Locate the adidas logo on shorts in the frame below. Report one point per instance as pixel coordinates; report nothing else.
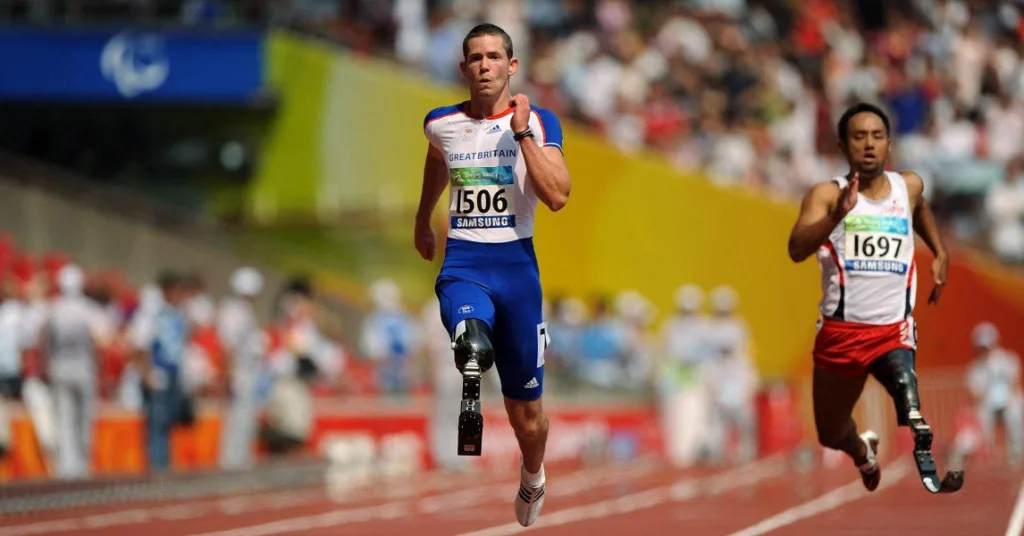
(532, 383)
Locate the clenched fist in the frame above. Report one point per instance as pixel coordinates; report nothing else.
(521, 115)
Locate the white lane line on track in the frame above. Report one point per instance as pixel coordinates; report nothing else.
(570, 484)
(233, 506)
(1016, 526)
(174, 512)
(851, 492)
(684, 490)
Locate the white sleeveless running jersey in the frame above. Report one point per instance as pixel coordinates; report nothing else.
(868, 274)
(490, 198)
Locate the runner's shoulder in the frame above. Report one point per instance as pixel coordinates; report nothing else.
(823, 192)
(915, 184)
(441, 112)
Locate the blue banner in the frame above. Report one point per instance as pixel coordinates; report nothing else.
(180, 65)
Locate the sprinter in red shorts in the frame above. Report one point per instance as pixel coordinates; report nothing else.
(861, 227)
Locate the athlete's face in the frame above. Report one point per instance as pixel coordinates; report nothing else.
(487, 67)
(867, 144)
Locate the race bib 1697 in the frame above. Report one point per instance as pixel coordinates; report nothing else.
(877, 244)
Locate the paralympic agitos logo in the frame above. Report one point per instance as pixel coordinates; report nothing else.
(135, 63)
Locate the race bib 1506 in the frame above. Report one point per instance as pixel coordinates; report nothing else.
(482, 197)
(877, 244)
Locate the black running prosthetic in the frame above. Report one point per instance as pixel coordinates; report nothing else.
(895, 371)
(471, 421)
(474, 355)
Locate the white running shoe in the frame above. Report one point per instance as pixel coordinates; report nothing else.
(529, 501)
(870, 471)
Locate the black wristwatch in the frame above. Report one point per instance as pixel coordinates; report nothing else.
(528, 133)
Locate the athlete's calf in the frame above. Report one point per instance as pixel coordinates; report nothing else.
(530, 424)
(531, 428)
(835, 394)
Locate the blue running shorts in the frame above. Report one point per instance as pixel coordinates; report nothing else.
(499, 283)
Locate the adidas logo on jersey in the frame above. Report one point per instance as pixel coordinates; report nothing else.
(532, 384)
(495, 128)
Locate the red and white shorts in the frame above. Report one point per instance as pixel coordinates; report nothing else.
(849, 347)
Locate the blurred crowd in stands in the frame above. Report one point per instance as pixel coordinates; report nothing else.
(72, 340)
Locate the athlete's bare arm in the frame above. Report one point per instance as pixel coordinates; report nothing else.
(819, 214)
(545, 165)
(925, 227)
(549, 174)
(435, 179)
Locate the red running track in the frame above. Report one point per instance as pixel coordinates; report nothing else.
(644, 497)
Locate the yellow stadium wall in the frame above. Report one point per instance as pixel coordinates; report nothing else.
(350, 139)
(636, 223)
(349, 134)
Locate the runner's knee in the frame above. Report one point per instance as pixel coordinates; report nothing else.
(473, 341)
(834, 437)
(528, 419)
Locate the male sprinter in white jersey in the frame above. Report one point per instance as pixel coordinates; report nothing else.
(500, 156)
(861, 227)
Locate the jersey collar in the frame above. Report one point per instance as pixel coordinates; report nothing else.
(465, 110)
